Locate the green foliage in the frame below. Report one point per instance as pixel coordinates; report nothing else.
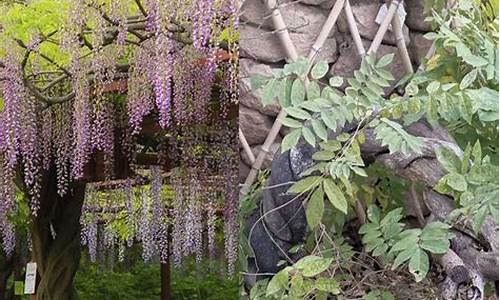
(386, 238)
(324, 108)
(135, 279)
(379, 295)
(458, 90)
(396, 138)
(380, 234)
(473, 181)
(299, 280)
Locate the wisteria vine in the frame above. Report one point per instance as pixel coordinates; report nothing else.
(126, 72)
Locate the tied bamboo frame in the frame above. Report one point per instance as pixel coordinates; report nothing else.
(291, 51)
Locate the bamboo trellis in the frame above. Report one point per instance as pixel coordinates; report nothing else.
(290, 49)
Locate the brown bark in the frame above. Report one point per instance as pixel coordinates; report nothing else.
(6, 265)
(56, 239)
(165, 281)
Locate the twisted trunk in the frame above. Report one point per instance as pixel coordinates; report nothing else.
(56, 240)
(5, 272)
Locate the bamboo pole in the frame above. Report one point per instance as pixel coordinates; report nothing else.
(353, 28)
(246, 146)
(325, 30)
(291, 52)
(282, 30)
(397, 30)
(275, 129)
(377, 40)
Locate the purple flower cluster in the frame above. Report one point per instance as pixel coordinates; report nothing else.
(203, 13)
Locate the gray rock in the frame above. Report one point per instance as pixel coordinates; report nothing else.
(314, 2)
(416, 16)
(365, 13)
(419, 46)
(269, 156)
(299, 18)
(264, 45)
(254, 125)
(249, 98)
(244, 169)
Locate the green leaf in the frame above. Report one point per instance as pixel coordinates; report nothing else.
(313, 265)
(384, 74)
(457, 182)
(465, 160)
(269, 92)
(336, 81)
(335, 195)
(477, 153)
(300, 66)
(324, 155)
(433, 87)
(409, 239)
(292, 123)
(258, 81)
(329, 285)
(385, 60)
(359, 171)
(319, 129)
(284, 93)
(298, 113)
(475, 61)
(320, 69)
(419, 265)
(331, 145)
(315, 208)
(298, 92)
(404, 255)
(373, 214)
(468, 79)
(448, 159)
(305, 184)
(309, 136)
(311, 106)
(277, 283)
(313, 90)
(329, 119)
(439, 246)
(291, 139)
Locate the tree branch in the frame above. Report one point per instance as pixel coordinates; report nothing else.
(141, 7)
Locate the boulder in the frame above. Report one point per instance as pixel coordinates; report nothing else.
(416, 16)
(419, 46)
(365, 13)
(249, 98)
(263, 45)
(269, 156)
(244, 169)
(299, 18)
(255, 125)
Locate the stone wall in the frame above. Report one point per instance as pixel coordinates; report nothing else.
(261, 51)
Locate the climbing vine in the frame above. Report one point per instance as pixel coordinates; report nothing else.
(99, 93)
(350, 121)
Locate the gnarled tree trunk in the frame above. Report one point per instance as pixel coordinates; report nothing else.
(56, 239)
